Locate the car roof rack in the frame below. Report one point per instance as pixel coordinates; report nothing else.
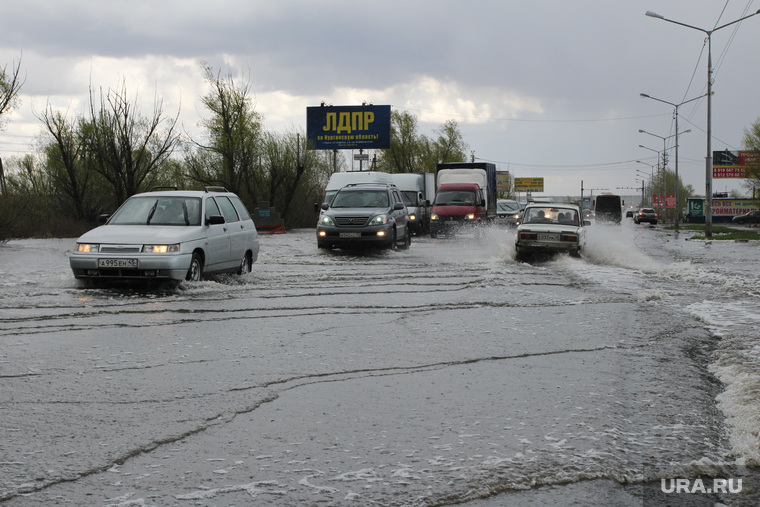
(370, 184)
(164, 187)
(216, 189)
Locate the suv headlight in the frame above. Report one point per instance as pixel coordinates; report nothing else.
(379, 220)
(326, 220)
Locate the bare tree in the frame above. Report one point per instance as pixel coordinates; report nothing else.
(72, 182)
(127, 149)
(751, 142)
(232, 156)
(10, 85)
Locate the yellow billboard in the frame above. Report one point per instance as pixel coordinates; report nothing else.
(529, 184)
(502, 181)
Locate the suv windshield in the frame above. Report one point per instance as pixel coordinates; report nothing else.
(158, 211)
(361, 199)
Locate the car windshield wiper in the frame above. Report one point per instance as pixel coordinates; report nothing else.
(152, 211)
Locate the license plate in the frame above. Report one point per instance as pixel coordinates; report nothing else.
(350, 234)
(452, 222)
(117, 263)
(548, 237)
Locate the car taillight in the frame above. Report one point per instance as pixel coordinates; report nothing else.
(528, 235)
(569, 237)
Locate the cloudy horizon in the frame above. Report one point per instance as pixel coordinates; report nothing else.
(543, 89)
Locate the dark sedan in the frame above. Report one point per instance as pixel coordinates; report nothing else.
(753, 217)
(645, 215)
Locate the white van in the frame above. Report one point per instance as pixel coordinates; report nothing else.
(340, 180)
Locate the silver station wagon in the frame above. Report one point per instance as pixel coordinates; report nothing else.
(171, 235)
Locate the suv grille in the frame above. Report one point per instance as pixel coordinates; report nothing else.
(355, 221)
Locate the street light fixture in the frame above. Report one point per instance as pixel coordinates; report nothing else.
(660, 178)
(708, 158)
(676, 106)
(651, 176)
(665, 174)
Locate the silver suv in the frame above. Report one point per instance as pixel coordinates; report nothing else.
(369, 214)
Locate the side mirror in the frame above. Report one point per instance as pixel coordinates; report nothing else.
(427, 203)
(398, 206)
(482, 203)
(215, 220)
(103, 218)
(586, 223)
(325, 206)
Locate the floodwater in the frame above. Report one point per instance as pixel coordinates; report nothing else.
(445, 374)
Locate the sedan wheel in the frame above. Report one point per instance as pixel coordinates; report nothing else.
(245, 266)
(195, 272)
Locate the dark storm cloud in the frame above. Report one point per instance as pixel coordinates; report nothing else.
(544, 82)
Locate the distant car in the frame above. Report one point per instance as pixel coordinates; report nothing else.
(588, 214)
(549, 229)
(645, 215)
(171, 235)
(508, 212)
(370, 214)
(753, 217)
(629, 213)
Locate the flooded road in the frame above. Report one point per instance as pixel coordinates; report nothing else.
(446, 374)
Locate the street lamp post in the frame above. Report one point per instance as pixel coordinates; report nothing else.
(676, 106)
(665, 174)
(659, 185)
(708, 158)
(651, 176)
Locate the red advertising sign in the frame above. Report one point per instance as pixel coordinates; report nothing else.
(670, 201)
(734, 164)
(657, 201)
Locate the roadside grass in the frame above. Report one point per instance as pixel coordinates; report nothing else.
(720, 232)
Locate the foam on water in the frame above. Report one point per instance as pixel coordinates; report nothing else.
(736, 363)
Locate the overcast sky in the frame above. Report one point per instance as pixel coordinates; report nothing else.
(544, 88)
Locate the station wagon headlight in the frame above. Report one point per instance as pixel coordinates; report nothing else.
(160, 248)
(87, 247)
(379, 220)
(326, 220)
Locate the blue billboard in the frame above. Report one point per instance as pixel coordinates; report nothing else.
(348, 127)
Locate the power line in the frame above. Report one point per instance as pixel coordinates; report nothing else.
(528, 120)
